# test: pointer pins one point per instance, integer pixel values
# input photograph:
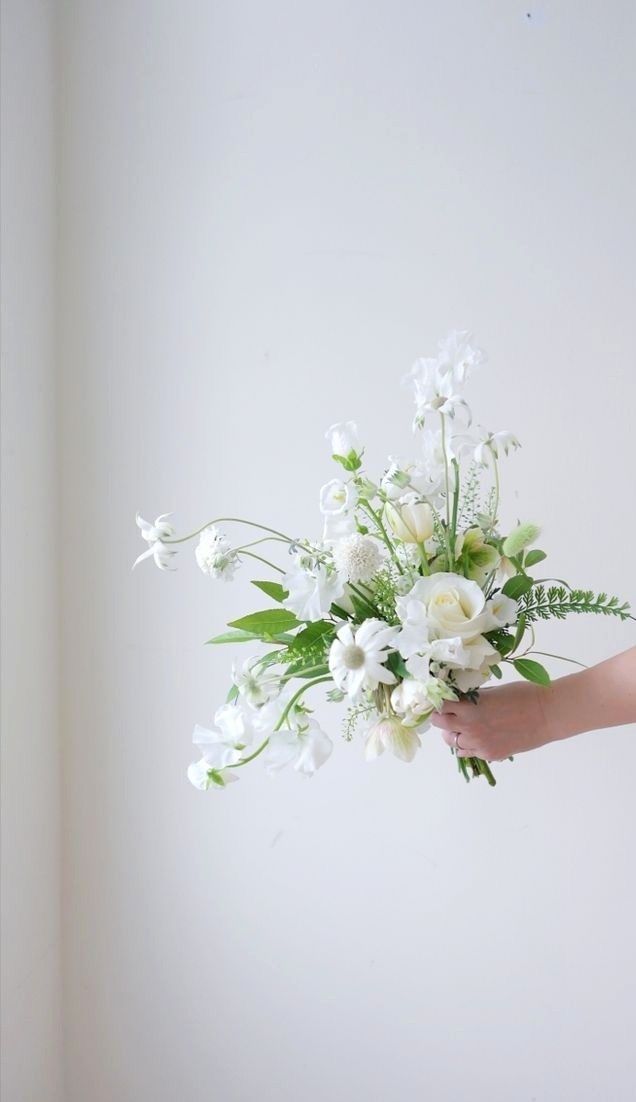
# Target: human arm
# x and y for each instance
(510, 719)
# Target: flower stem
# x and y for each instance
(447, 485)
(229, 520)
(260, 558)
(295, 697)
(378, 522)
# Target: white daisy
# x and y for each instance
(357, 660)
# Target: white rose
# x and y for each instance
(451, 606)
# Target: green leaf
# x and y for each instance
(501, 641)
(517, 586)
(534, 557)
(319, 629)
(234, 637)
(268, 623)
(532, 671)
(232, 695)
(273, 589)
(521, 627)
(350, 462)
(396, 664)
(496, 671)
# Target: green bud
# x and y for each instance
(521, 536)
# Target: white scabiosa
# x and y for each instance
(214, 554)
(356, 660)
(358, 557)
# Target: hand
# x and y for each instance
(506, 720)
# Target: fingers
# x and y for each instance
(445, 722)
(462, 751)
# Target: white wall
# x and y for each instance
(268, 210)
(31, 978)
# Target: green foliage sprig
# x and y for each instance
(557, 602)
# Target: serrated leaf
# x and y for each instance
(268, 623)
(534, 557)
(517, 586)
(532, 671)
(273, 589)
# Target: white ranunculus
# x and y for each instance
(452, 606)
(312, 589)
(389, 733)
(343, 438)
(410, 519)
(503, 611)
(305, 746)
(337, 497)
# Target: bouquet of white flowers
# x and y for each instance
(413, 596)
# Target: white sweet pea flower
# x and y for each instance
(457, 357)
(337, 497)
(304, 745)
(343, 438)
(338, 526)
(255, 683)
(357, 660)
(358, 558)
(154, 535)
(217, 748)
(203, 777)
(442, 606)
(503, 610)
(312, 588)
(389, 733)
(214, 554)
(482, 657)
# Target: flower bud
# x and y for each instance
(411, 521)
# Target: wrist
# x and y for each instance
(571, 705)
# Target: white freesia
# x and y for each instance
(343, 438)
(214, 554)
(304, 745)
(442, 606)
(203, 777)
(410, 519)
(256, 683)
(389, 733)
(312, 588)
(154, 535)
(358, 558)
(356, 659)
(337, 497)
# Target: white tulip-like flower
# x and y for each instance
(410, 701)
(442, 606)
(356, 660)
(337, 497)
(343, 438)
(410, 519)
(358, 557)
(256, 684)
(304, 745)
(154, 535)
(214, 554)
(203, 777)
(389, 733)
(312, 588)
(503, 610)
